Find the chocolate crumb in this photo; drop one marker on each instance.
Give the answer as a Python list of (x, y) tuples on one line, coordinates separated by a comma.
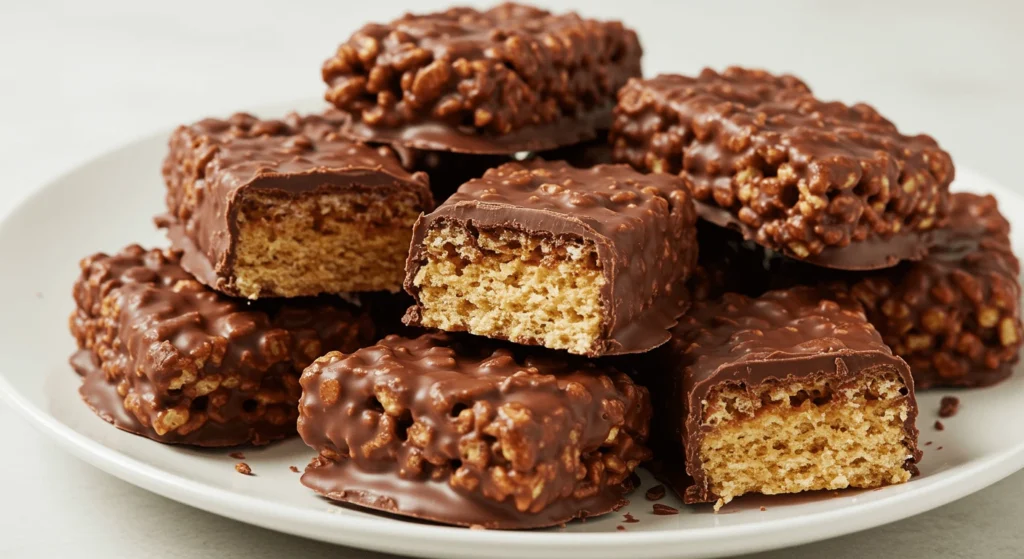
[(630, 519), (664, 510), (237, 455), (620, 528), (948, 406), (763, 509), (293, 468), (929, 443), (940, 448), (656, 493), (939, 426), (243, 469)]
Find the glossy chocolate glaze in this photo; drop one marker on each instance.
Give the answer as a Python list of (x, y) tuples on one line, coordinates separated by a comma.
[(643, 227), (509, 79), (469, 431), (150, 336)]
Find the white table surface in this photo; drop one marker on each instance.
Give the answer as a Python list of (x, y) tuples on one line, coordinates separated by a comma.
[(78, 78)]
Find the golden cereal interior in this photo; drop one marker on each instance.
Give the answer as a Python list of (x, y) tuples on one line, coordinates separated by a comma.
[(510, 284), (803, 436), (322, 243)]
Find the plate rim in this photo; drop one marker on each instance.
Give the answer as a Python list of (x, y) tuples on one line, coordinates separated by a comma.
[(361, 531)]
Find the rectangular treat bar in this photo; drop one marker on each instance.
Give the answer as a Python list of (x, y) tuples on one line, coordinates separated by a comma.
[(792, 391), (509, 79), (164, 357), (954, 316), (592, 261), (472, 432), (286, 208), (835, 185)]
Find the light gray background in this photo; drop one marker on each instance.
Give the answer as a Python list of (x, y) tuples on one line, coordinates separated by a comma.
[(78, 78)]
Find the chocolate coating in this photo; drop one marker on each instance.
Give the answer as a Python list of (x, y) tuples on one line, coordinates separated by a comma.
[(164, 357), (835, 185), (954, 316), (509, 79), (643, 227), (467, 431), (212, 163), (737, 340)]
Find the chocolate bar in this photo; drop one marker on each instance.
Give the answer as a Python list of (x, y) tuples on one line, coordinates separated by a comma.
[(287, 208), (167, 358), (509, 79), (788, 392), (592, 261), (834, 185), (472, 432)]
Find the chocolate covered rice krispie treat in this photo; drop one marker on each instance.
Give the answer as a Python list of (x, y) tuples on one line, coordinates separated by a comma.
[(834, 185), (509, 79), (592, 261), (167, 358), (287, 208), (472, 432), (954, 316), (788, 392)]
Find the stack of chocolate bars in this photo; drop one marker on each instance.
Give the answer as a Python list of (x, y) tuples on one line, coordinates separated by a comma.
[(721, 275)]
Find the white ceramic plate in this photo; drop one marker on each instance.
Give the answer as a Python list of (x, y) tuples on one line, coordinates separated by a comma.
[(109, 202)]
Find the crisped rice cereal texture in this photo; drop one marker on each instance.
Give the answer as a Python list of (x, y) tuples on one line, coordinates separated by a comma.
[(835, 185), (469, 431), (509, 79), (167, 358)]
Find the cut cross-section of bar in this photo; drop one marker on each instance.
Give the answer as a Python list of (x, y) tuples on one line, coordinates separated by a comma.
[(792, 391), (592, 261), (286, 208)]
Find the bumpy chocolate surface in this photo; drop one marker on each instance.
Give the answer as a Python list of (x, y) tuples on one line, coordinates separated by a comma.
[(509, 79), (835, 185), (802, 331), (212, 162), (954, 316), (164, 357), (644, 228), (468, 431)]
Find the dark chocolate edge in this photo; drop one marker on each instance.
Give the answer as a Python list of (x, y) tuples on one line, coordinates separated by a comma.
[(476, 511), (567, 131), (857, 256)]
